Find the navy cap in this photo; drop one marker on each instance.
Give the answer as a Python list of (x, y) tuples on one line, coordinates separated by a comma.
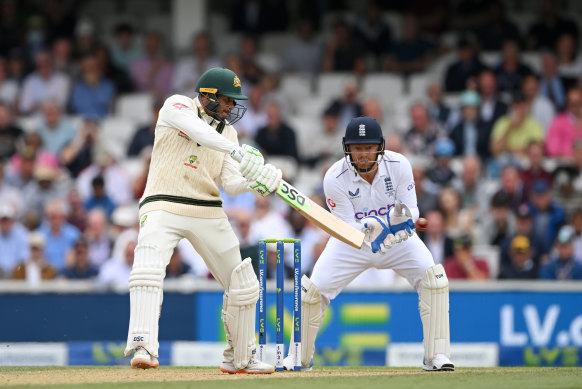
[(540, 186), (363, 130)]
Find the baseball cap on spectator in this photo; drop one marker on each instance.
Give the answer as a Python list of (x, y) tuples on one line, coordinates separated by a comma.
[(518, 97), (540, 186), (470, 98), (45, 173), (7, 212), (520, 243), (463, 241), (500, 199), (444, 148), (36, 239), (565, 235), (523, 211)]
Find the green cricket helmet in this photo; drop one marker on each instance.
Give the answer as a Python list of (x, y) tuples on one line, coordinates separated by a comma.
[(222, 82)]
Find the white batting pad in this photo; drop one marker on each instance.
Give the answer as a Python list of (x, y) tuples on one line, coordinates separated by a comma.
[(145, 294), (238, 312), (433, 304), (311, 317)]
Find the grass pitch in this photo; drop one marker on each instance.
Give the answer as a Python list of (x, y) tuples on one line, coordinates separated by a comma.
[(320, 378)]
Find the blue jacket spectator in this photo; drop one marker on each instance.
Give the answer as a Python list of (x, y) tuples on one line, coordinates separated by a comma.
[(60, 236), (92, 94), (55, 131), (79, 266), (13, 241), (99, 199), (548, 215), (563, 266)]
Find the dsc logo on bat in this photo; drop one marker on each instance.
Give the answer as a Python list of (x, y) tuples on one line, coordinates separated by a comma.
[(291, 194)]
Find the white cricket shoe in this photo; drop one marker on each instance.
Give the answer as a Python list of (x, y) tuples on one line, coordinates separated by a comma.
[(439, 363), (142, 359), (289, 364), (253, 367)]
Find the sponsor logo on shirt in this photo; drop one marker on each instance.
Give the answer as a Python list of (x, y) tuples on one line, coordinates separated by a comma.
[(355, 194), (410, 186), (192, 161), (382, 211), (183, 135), (179, 106)]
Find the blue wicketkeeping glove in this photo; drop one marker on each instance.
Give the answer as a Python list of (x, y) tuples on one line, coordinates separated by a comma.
[(400, 222)]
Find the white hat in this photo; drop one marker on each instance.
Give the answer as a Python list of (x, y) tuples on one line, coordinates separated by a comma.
[(7, 211)]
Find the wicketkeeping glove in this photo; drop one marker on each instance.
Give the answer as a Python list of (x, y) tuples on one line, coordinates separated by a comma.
[(400, 222), (377, 233), (268, 180), (251, 162)]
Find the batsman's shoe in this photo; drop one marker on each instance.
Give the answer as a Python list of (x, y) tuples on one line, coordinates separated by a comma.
[(289, 364), (143, 360), (439, 363), (254, 367)]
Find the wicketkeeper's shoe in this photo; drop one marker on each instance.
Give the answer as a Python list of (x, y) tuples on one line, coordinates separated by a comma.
[(254, 367), (439, 363), (143, 360), (289, 364)]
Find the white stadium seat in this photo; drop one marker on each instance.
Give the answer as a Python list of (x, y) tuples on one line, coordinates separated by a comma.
[(136, 107), (332, 84), (385, 87), (115, 134)]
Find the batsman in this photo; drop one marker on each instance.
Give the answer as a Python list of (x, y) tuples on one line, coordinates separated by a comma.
[(195, 142), (372, 189)]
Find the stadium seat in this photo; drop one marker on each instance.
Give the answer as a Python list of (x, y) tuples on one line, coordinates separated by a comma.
[(386, 87), (331, 85), (418, 85), (491, 255), (136, 107), (115, 134)]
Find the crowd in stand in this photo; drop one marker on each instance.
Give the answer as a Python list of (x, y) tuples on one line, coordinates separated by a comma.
[(501, 167)]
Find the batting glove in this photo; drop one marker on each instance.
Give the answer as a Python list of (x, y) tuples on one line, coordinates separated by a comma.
[(377, 234), (268, 180), (400, 222), (251, 163)]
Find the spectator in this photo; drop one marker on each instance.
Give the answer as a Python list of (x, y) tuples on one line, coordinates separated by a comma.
[(515, 131), (177, 267), (522, 264), (152, 72), (78, 265), (139, 183), (551, 84), (512, 186), (548, 215), (439, 244), (10, 133), (93, 94), (348, 106), (258, 17), (49, 184), (535, 170), (576, 222), (276, 138), (115, 272), (255, 116), (250, 59), (540, 107), (78, 154), (13, 240), (463, 265), (413, 53), (492, 108), (511, 71), (471, 135), (563, 265), (441, 174), (544, 32), (424, 132), (9, 195), (42, 85), (59, 235), (125, 47), (190, 68), (456, 220), (99, 199), (501, 223), (35, 267), (120, 77), (85, 41), (466, 69), (33, 141), (97, 235), (569, 61), (471, 187), (318, 148), (497, 29), (426, 200), (342, 51), (61, 52), (373, 32), (8, 86), (25, 175), (144, 136), (267, 222), (55, 131), (304, 53), (77, 215), (566, 127), (437, 108)]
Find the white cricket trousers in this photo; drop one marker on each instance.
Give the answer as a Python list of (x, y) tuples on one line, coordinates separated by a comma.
[(213, 239)]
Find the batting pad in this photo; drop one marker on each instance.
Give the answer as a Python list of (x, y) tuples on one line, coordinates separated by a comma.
[(433, 304), (311, 317), (239, 310), (145, 295)]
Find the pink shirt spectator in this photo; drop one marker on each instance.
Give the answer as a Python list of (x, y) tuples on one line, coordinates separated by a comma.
[(564, 130), (154, 76)]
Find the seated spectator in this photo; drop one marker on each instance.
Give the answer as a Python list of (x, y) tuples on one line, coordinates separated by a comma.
[(25, 175), (9, 195), (304, 53), (43, 157), (563, 265), (511, 71), (373, 32), (8, 86), (425, 199), (78, 266), (35, 267), (77, 215), (250, 59), (515, 131), (318, 149), (521, 265), (466, 69), (342, 50), (462, 265), (566, 127), (78, 154), (439, 244), (456, 220), (55, 131), (441, 174), (42, 85), (92, 95), (120, 77), (348, 106), (412, 53), (10, 132), (13, 240), (115, 272), (512, 186), (125, 47), (177, 267), (540, 107), (437, 108), (548, 215), (471, 135), (535, 170), (190, 68), (62, 55), (492, 107), (99, 198), (276, 138), (544, 32), (576, 222), (551, 84), (152, 72), (48, 184), (569, 59), (424, 132), (97, 235), (471, 188), (501, 222), (255, 117), (59, 235), (497, 28), (144, 136)]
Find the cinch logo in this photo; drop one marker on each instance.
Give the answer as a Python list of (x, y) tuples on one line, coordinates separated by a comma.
[(236, 81), (362, 130), (373, 212), (356, 194), (409, 187)]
